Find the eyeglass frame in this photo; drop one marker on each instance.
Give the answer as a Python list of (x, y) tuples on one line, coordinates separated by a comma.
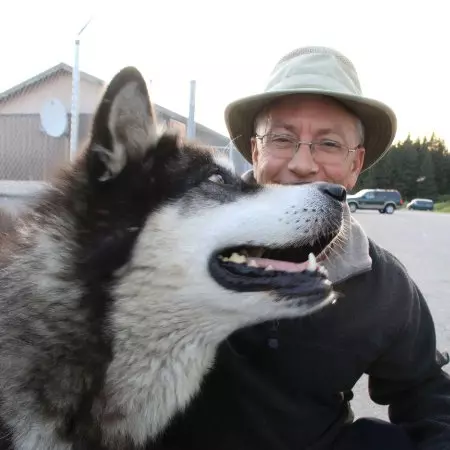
[(310, 144)]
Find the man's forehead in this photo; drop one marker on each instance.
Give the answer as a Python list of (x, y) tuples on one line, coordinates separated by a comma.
[(307, 102), (328, 115)]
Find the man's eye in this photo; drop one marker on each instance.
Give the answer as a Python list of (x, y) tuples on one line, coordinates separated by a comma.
[(281, 139), (332, 144), (216, 178)]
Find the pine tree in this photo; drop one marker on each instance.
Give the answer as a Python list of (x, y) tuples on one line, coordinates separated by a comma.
[(439, 156), (427, 187), (423, 159)]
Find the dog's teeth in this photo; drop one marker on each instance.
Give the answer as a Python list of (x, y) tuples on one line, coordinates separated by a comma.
[(322, 270), (312, 263), (252, 263), (237, 258), (269, 268)]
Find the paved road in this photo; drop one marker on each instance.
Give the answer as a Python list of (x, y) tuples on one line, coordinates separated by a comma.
[(421, 240)]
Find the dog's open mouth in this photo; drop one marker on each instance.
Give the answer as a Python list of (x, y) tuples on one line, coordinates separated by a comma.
[(290, 272)]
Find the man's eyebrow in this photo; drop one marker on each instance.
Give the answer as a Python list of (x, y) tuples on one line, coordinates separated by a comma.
[(329, 130), (284, 125), (320, 131)]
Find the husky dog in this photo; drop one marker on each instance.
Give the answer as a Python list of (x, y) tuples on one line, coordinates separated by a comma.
[(118, 285)]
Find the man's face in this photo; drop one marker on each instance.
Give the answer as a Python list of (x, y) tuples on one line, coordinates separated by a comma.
[(308, 119)]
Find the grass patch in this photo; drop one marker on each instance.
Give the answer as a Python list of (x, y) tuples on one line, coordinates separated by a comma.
[(443, 207)]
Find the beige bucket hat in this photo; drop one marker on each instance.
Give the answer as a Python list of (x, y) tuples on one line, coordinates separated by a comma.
[(315, 70)]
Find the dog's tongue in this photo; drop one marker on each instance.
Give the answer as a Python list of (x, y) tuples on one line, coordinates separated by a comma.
[(274, 264)]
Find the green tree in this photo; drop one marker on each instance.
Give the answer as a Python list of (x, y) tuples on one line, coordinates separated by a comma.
[(426, 182), (426, 159), (441, 160), (408, 168)]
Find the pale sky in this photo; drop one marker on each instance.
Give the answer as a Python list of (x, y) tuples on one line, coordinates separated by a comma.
[(401, 49)]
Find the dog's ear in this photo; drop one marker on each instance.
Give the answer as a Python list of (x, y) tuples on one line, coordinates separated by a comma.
[(124, 125)]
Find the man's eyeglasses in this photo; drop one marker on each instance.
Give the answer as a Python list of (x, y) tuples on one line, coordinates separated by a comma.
[(325, 151)]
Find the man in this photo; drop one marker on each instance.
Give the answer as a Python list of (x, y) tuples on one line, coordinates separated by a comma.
[(287, 385)]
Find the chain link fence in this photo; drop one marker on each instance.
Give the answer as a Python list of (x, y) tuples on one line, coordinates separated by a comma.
[(27, 150), (35, 124)]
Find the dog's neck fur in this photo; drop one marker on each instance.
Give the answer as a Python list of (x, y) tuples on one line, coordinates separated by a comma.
[(350, 255)]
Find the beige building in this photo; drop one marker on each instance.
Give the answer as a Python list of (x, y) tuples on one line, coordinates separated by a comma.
[(28, 153)]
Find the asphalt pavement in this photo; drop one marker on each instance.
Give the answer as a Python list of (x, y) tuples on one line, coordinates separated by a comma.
[(421, 240)]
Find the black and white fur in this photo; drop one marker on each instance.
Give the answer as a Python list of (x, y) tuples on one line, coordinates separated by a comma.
[(109, 316)]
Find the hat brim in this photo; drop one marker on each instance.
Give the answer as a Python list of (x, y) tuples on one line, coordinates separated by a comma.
[(379, 121)]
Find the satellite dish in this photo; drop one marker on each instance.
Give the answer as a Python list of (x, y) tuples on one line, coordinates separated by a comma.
[(54, 117)]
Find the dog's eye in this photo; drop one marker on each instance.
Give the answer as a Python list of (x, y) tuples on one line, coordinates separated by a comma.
[(216, 178)]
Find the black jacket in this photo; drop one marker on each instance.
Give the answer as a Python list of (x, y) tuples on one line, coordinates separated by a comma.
[(286, 385)]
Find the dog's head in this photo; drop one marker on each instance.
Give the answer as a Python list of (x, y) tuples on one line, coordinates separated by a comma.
[(165, 226)]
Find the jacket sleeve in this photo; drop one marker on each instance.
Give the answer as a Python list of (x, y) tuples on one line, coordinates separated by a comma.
[(408, 376)]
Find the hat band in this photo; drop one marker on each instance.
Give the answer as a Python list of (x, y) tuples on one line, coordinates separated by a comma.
[(321, 82)]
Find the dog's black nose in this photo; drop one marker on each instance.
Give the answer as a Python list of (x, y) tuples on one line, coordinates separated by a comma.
[(335, 191)]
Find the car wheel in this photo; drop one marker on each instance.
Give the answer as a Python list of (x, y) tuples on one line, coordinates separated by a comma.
[(381, 211), (352, 207), (389, 209)]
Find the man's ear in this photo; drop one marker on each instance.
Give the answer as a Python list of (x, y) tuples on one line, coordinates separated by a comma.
[(124, 125)]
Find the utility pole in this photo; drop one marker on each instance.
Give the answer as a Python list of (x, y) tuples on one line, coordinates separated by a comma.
[(191, 118), (74, 110)]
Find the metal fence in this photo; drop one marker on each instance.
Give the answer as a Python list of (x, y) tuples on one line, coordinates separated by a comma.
[(35, 126)]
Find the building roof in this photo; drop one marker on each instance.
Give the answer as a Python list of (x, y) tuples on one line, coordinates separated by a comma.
[(62, 67), (66, 68)]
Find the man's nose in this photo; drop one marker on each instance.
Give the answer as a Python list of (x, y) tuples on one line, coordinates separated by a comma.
[(302, 163)]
